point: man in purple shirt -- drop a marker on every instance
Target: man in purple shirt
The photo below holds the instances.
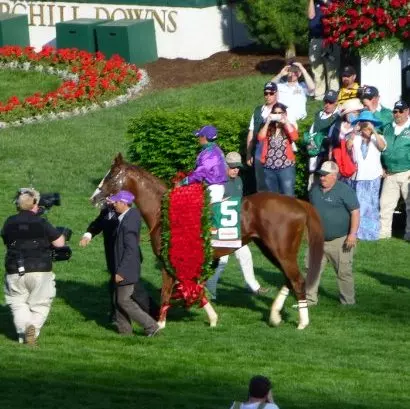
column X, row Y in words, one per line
column 210, row 164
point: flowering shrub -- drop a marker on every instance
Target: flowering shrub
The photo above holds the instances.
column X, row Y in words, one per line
column 375, row 27
column 90, row 81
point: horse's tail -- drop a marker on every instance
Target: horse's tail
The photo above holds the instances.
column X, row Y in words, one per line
column 316, row 241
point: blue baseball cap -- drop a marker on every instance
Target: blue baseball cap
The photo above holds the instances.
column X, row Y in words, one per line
column 122, row 196
column 209, row 131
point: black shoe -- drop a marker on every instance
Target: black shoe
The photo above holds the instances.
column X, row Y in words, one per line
column 154, row 333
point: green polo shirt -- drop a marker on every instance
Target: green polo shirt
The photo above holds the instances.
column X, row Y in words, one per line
column 334, row 208
column 234, row 187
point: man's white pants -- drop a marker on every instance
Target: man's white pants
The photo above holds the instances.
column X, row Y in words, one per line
column 244, row 257
column 394, row 185
column 30, row 297
column 216, row 192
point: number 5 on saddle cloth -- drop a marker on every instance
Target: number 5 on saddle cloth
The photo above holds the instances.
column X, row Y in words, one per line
column 226, row 223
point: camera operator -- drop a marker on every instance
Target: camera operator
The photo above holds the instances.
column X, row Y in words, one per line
column 30, row 285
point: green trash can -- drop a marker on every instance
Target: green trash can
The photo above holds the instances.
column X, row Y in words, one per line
column 79, row 33
column 14, row 30
column 133, row 40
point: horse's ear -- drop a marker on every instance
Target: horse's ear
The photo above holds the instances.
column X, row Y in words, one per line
column 118, row 159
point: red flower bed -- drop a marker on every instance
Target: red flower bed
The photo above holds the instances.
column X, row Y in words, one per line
column 357, row 23
column 186, row 240
column 95, row 80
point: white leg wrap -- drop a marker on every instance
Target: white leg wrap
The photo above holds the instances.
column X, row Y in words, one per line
column 162, row 324
column 275, row 317
column 303, row 314
column 212, row 315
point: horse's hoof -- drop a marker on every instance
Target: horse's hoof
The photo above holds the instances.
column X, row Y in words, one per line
column 275, row 319
column 161, row 324
column 303, row 325
column 213, row 322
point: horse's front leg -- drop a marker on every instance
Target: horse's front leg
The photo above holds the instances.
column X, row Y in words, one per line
column 166, row 291
column 210, row 312
column 275, row 315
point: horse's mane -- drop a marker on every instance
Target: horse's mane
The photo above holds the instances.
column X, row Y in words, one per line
column 157, row 185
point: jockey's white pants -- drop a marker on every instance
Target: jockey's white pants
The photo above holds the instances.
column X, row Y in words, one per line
column 216, row 192
column 244, row 257
column 30, row 297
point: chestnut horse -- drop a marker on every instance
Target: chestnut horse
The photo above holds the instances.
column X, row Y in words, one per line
column 276, row 224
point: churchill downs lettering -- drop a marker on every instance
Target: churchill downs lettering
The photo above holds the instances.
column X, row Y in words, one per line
column 47, row 15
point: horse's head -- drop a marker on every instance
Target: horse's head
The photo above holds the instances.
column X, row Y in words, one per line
column 112, row 182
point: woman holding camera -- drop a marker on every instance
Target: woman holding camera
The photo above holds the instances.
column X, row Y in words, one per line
column 366, row 146
column 278, row 159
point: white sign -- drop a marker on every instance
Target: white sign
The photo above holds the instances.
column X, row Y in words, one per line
column 180, row 32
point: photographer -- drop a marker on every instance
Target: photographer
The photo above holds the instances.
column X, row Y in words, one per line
column 276, row 137
column 260, row 395
column 30, row 285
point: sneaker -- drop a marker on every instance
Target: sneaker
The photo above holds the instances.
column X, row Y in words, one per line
column 30, row 335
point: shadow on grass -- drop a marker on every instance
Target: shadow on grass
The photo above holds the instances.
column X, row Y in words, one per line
column 93, row 302
column 147, row 389
column 394, row 282
column 6, row 323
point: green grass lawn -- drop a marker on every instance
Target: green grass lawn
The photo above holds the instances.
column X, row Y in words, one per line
column 23, row 84
column 349, row 358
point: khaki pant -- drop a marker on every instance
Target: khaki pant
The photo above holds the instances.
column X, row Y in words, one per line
column 394, row 185
column 324, row 63
column 30, row 297
column 342, row 262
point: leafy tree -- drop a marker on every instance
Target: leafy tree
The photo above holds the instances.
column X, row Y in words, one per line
column 280, row 24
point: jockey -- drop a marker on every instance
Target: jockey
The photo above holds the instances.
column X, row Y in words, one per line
column 210, row 164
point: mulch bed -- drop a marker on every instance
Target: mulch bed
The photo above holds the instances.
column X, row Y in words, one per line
column 240, row 62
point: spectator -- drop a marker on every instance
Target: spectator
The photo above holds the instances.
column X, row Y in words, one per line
column 339, row 133
column 338, row 209
column 324, row 59
column 292, row 93
column 371, row 100
column 127, row 266
column 277, row 157
column 253, row 151
column 30, row 286
column 396, row 161
column 367, row 145
column 259, row 395
column 349, row 87
column 233, row 188
column 323, row 120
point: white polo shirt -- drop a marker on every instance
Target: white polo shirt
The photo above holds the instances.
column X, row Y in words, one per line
column 293, row 95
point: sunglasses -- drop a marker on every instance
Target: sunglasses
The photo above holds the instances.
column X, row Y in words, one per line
column 269, row 93
column 278, row 112
column 396, row 111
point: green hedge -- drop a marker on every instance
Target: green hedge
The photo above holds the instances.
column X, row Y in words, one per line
column 163, row 141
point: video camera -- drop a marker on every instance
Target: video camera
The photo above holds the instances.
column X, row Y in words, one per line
column 46, row 202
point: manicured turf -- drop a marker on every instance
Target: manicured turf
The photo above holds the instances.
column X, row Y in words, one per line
column 349, row 358
column 23, row 84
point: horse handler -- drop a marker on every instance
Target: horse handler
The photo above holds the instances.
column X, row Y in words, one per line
column 338, row 209
column 127, row 266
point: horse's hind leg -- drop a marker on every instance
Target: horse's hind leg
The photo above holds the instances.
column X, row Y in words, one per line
column 297, row 282
column 166, row 292
column 275, row 316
